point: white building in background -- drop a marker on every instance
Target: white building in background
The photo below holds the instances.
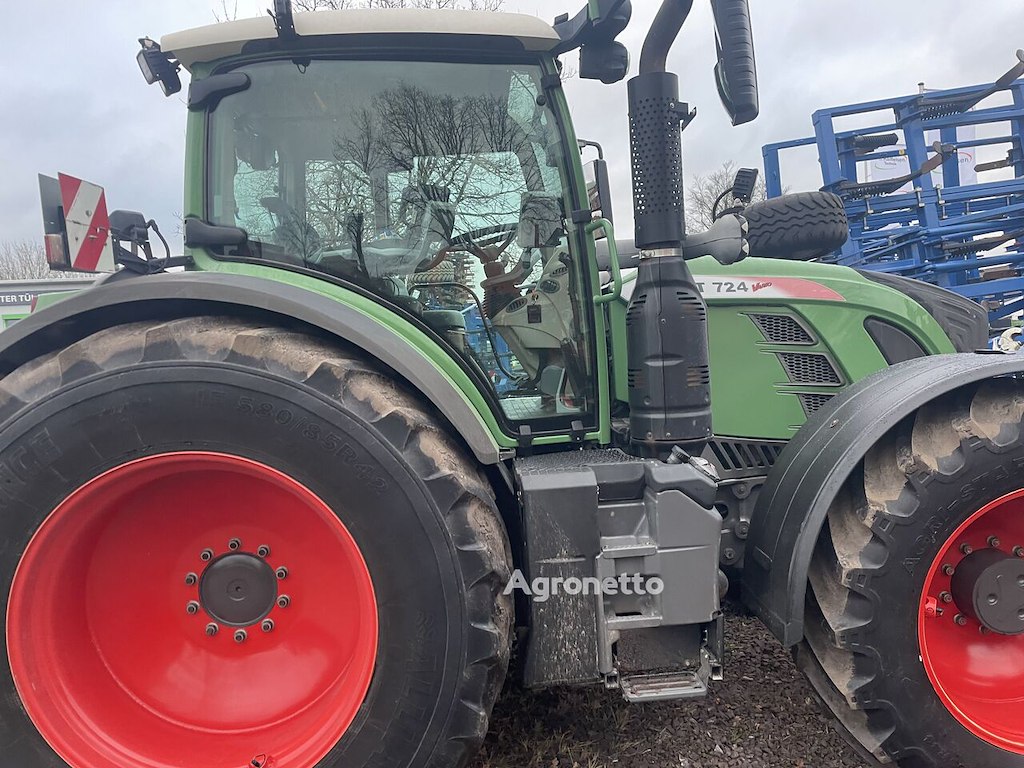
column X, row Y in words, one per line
column 17, row 297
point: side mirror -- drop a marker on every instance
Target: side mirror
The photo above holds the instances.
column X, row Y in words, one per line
column 606, row 61
column 736, row 70
column 599, row 188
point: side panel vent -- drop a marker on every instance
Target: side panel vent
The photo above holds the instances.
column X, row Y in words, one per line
column 691, row 305
column 743, row 456
column 810, row 368
column 782, row 329
column 698, row 375
column 813, row 402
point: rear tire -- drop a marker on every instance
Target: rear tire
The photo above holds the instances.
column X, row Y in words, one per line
column 799, row 227
column 326, row 421
column 874, row 648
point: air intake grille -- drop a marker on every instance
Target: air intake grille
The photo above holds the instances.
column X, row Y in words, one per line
column 782, row 329
column 739, row 455
column 810, row 369
column 813, row 403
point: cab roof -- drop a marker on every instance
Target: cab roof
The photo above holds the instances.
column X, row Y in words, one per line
column 217, row 41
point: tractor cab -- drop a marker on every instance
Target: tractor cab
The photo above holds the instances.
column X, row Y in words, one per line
column 424, row 158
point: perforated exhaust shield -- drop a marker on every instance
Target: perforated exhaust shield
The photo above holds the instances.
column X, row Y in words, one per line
column 657, row 160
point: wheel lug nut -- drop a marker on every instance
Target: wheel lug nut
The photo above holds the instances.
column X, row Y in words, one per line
column 234, row 544
column 284, row 601
column 1018, row 551
column 212, row 629
column 263, row 551
column 267, row 625
column 206, row 555
column 966, row 548
column 192, row 608
column 993, row 541
column 948, row 569
column 960, row 619
column 282, row 573
column 946, row 597
column 241, row 636
column 191, row 579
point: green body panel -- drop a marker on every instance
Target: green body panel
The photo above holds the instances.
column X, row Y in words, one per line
column 421, row 343
column 752, row 395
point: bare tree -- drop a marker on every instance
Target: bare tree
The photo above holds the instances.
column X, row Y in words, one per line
column 707, row 188
column 25, row 260
column 226, row 12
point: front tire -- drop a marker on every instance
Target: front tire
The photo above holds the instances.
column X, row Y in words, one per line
column 890, row 645
column 153, row 475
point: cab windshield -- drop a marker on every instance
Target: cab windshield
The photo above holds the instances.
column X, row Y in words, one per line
column 439, row 187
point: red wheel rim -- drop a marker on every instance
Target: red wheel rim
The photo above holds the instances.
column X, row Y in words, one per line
column 976, row 672
column 109, row 622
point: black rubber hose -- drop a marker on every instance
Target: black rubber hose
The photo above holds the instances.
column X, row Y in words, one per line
column 664, row 31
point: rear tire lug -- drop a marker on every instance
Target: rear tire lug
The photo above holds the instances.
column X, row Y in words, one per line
column 206, row 555
column 946, row 597
column 241, row 636
column 191, row 579
column 960, row 620
column 281, row 573
column 267, row 625
column 212, row 629
column 993, row 541
column 1018, row 551
column 966, row 548
column 263, row 551
column 284, row 601
column 234, row 544
column 192, row 608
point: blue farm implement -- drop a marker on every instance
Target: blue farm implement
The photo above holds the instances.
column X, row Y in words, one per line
column 918, row 201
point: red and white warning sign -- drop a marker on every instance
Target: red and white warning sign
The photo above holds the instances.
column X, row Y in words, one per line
column 88, row 225
column 76, row 224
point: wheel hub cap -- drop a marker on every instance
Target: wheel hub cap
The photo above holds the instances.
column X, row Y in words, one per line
column 238, row 590
column 988, row 586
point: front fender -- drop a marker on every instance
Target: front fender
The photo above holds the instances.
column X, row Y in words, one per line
column 181, row 295
column 791, row 508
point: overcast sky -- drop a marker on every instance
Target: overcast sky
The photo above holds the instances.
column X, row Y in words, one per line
column 72, row 98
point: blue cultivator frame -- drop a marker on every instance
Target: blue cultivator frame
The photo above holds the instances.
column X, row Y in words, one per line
column 926, row 224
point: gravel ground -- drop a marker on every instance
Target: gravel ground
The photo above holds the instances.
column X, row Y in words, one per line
column 762, row 716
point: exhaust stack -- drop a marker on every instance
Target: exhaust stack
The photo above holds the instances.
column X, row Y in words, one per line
column 666, row 323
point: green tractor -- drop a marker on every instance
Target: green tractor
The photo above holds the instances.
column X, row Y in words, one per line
column 280, row 509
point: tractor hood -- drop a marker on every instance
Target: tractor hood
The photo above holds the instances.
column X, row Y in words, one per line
column 217, row 41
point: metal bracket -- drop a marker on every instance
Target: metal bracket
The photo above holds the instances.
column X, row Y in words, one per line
column 582, row 216
column 550, row 82
column 685, row 114
column 284, row 20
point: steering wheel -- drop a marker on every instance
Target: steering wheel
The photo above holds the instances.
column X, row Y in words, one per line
column 487, row 244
